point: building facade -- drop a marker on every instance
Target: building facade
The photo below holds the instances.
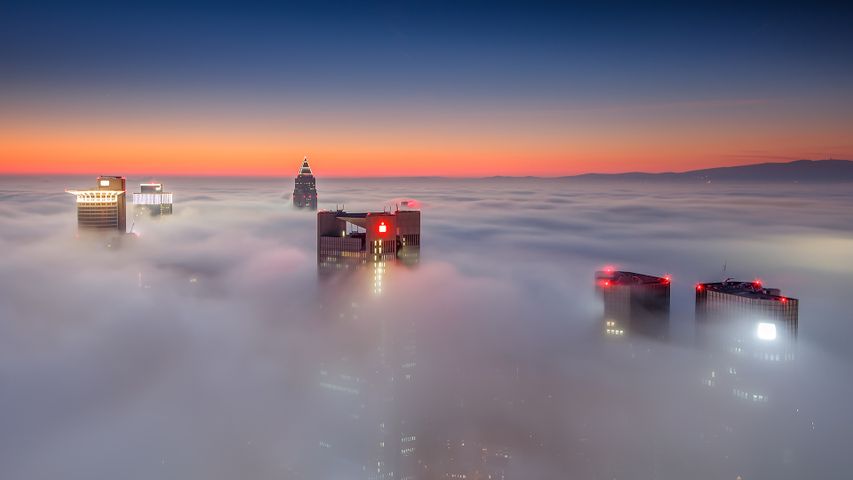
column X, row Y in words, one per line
column 747, row 335
column 750, row 331
column 153, row 200
column 347, row 239
column 742, row 302
column 367, row 380
column 305, row 188
column 102, row 208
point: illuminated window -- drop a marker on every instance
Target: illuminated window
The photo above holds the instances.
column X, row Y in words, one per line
column 766, row 331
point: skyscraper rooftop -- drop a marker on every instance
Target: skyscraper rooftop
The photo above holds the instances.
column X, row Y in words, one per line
column 153, row 199
column 305, row 188
column 103, row 207
column 746, row 301
column 346, row 238
column 634, row 303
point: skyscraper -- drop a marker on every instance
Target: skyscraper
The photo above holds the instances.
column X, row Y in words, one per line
column 305, row 189
column 747, row 334
column 373, row 237
column 104, row 207
column 739, row 301
column 634, row 303
column 152, row 199
column 368, row 386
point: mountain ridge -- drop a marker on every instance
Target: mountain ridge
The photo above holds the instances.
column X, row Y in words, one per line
column 794, row 171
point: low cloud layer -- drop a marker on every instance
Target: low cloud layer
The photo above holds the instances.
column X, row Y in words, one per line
column 199, row 348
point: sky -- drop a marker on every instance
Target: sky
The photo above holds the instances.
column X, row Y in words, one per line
column 197, row 350
column 418, row 88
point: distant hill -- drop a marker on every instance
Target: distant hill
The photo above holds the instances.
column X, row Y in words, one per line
column 796, row 171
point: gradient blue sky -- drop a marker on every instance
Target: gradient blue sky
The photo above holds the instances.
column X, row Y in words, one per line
column 363, row 87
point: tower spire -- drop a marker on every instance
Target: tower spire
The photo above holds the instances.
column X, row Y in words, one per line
column 305, row 188
column 305, row 169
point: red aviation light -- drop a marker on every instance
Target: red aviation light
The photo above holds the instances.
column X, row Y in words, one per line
column 783, row 300
column 667, row 278
column 607, row 283
column 699, row 287
column 383, row 228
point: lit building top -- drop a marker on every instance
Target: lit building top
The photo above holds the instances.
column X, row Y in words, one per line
column 346, row 239
column 634, row 303
column 107, row 189
column 151, row 198
column 386, row 231
column 305, row 187
column 96, row 196
column 151, row 194
column 751, row 332
column 102, row 207
column 615, row 277
column 748, row 301
column 305, row 169
column 751, row 290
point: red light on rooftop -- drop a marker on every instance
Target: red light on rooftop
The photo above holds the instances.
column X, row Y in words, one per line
column 783, row 300
column 383, row 228
column 699, row 287
column 607, row 283
column 609, row 268
column 667, row 278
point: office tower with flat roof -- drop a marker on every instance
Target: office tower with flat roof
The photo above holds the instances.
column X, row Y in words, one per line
column 369, row 429
column 345, row 239
column 103, row 207
column 772, row 313
column 305, row 188
column 634, row 303
column 152, row 199
column 747, row 335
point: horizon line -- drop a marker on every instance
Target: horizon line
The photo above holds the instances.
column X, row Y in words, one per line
column 452, row 177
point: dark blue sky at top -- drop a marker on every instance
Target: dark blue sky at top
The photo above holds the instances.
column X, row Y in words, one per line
column 487, row 50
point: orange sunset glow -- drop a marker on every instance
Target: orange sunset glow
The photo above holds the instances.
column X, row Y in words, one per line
column 150, row 91
column 410, row 141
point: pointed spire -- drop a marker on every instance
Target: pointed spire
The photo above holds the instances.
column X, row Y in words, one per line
column 306, row 169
